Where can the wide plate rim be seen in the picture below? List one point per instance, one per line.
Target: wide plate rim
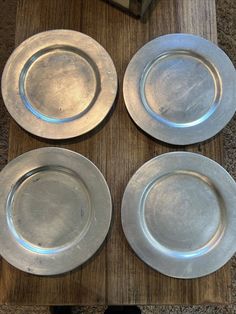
(93, 117)
(193, 134)
(31, 262)
(131, 224)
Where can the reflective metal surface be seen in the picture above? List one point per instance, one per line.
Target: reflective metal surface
(59, 84)
(180, 88)
(179, 214)
(55, 211)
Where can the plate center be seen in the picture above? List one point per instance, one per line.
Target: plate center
(49, 209)
(59, 84)
(179, 89)
(182, 212)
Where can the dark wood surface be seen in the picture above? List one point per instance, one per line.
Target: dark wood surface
(115, 275)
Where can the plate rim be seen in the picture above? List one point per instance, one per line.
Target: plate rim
(131, 236)
(157, 129)
(7, 249)
(20, 56)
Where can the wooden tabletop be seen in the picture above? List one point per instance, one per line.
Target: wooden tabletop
(115, 275)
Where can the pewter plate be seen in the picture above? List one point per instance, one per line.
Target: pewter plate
(180, 89)
(179, 214)
(55, 211)
(59, 84)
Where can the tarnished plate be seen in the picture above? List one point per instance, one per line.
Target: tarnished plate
(55, 211)
(180, 89)
(179, 214)
(59, 84)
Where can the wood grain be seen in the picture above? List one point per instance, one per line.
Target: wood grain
(115, 275)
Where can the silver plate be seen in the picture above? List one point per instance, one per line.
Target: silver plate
(59, 84)
(180, 89)
(179, 214)
(55, 211)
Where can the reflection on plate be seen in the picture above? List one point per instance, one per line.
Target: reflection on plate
(179, 214)
(55, 211)
(59, 84)
(180, 89)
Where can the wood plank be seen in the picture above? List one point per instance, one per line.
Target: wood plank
(115, 275)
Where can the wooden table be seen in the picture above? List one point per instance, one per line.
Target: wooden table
(115, 275)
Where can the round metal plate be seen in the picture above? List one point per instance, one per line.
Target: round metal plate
(59, 84)
(55, 211)
(180, 89)
(179, 214)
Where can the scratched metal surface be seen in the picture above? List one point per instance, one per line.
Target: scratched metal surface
(59, 84)
(55, 211)
(180, 89)
(178, 214)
